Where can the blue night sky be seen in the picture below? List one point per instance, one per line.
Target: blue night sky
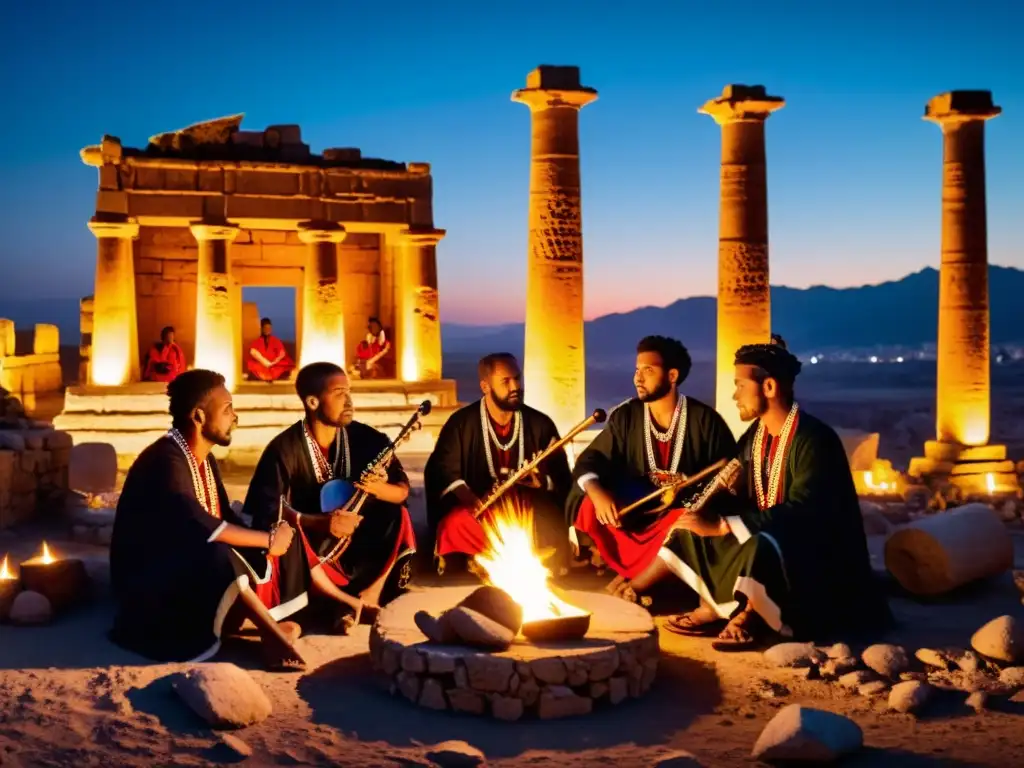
(853, 171)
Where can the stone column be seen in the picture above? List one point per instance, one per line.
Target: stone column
(744, 299)
(323, 314)
(115, 346)
(215, 328)
(417, 321)
(554, 354)
(962, 418)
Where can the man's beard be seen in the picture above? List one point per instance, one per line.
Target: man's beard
(343, 419)
(221, 439)
(508, 403)
(659, 392)
(747, 414)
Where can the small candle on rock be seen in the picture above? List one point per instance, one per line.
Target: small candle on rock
(63, 581)
(10, 586)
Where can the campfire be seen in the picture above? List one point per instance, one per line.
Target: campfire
(513, 564)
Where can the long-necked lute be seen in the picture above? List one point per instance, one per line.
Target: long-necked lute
(499, 490)
(342, 494)
(698, 489)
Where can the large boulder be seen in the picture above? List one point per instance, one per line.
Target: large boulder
(806, 735)
(224, 695)
(1002, 639)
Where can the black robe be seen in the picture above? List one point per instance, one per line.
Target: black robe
(173, 586)
(811, 558)
(286, 469)
(459, 456)
(618, 455)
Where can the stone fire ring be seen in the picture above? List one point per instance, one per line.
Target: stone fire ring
(616, 661)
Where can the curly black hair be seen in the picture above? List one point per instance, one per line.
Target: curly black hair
(189, 391)
(672, 352)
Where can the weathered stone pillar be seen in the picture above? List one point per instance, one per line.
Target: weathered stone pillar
(962, 418)
(115, 347)
(323, 314)
(416, 307)
(744, 298)
(215, 328)
(554, 354)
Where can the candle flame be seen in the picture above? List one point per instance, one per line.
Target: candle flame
(5, 570)
(46, 558)
(990, 483)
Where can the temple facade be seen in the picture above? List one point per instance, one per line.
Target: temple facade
(185, 224)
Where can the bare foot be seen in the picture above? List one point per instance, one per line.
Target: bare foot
(280, 653)
(291, 630)
(745, 631)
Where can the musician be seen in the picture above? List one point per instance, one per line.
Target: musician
(789, 556)
(165, 360)
(328, 444)
(648, 441)
(478, 447)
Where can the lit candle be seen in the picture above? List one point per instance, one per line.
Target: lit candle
(990, 483)
(62, 580)
(10, 586)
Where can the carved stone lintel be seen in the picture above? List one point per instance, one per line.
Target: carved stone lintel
(203, 232)
(961, 106)
(127, 229)
(312, 232)
(420, 237)
(742, 103)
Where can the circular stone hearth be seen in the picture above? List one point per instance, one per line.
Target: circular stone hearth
(617, 660)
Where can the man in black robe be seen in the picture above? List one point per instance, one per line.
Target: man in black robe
(328, 444)
(478, 447)
(177, 576)
(789, 555)
(652, 440)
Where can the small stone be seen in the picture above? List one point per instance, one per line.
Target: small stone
(932, 657)
(968, 662)
(560, 701)
(909, 696)
(529, 692)
(456, 754)
(465, 700)
(235, 745)
(921, 676)
(477, 631)
(837, 667)
(432, 695)
(409, 685)
(440, 663)
(461, 677)
(807, 735)
(873, 688)
(224, 695)
(978, 701)
(390, 661)
(603, 664)
(551, 671)
(506, 708)
(618, 689)
(1002, 639)
(1012, 676)
(838, 651)
(513, 683)
(887, 660)
(412, 661)
(30, 608)
(677, 758)
(793, 655)
(857, 678)
(597, 690)
(577, 673)
(489, 674)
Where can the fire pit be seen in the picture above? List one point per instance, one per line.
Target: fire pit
(613, 658)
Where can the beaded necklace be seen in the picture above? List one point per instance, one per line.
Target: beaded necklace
(203, 482)
(489, 434)
(322, 468)
(677, 425)
(778, 462)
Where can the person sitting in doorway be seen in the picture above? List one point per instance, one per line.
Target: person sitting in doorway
(372, 351)
(165, 360)
(268, 359)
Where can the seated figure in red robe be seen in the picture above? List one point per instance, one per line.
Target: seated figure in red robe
(372, 352)
(165, 360)
(268, 359)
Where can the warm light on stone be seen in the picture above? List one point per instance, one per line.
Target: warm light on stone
(323, 314)
(115, 333)
(744, 298)
(417, 310)
(554, 356)
(215, 321)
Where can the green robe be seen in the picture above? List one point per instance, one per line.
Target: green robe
(803, 564)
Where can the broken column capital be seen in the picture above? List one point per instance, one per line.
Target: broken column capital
(549, 86)
(311, 232)
(742, 103)
(424, 236)
(203, 232)
(953, 107)
(126, 228)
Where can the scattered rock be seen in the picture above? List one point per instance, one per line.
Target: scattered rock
(677, 759)
(456, 754)
(1012, 676)
(838, 651)
(978, 701)
(235, 745)
(808, 735)
(909, 696)
(222, 694)
(768, 689)
(873, 688)
(793, 655)
(561, 701)
(887, 660)
(932, 657)
(1001, 639)
(30, 608)
(921, 676)
(856, 679)
(968, 662)
(834, 668)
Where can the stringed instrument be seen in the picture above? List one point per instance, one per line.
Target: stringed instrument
(504, 486)
(688, 491)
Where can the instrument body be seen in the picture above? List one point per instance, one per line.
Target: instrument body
(504, 486)
(688, 491)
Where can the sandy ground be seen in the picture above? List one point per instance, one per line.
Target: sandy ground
(69, 697)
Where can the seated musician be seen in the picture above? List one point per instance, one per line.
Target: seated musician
(651, 440)
(478, 447)
(372, 352)
(165, 360)
(178, 577)
(268, 360)
(328, 444)
(789, 556)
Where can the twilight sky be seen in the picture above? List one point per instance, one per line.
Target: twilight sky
(853, 171)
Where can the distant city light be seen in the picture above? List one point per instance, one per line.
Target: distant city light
(814, 359)
(899, 359)
(874, 359)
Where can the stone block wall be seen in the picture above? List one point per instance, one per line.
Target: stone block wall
(37, 372)
(33, 471)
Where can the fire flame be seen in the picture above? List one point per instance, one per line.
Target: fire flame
(46, 558)
(990, 483)
(512, 563)
(5, 570)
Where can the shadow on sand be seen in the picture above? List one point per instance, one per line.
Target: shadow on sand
(349, 696)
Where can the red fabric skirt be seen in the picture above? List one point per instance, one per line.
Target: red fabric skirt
(273, 373)
(460, 531)
(627, 552)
